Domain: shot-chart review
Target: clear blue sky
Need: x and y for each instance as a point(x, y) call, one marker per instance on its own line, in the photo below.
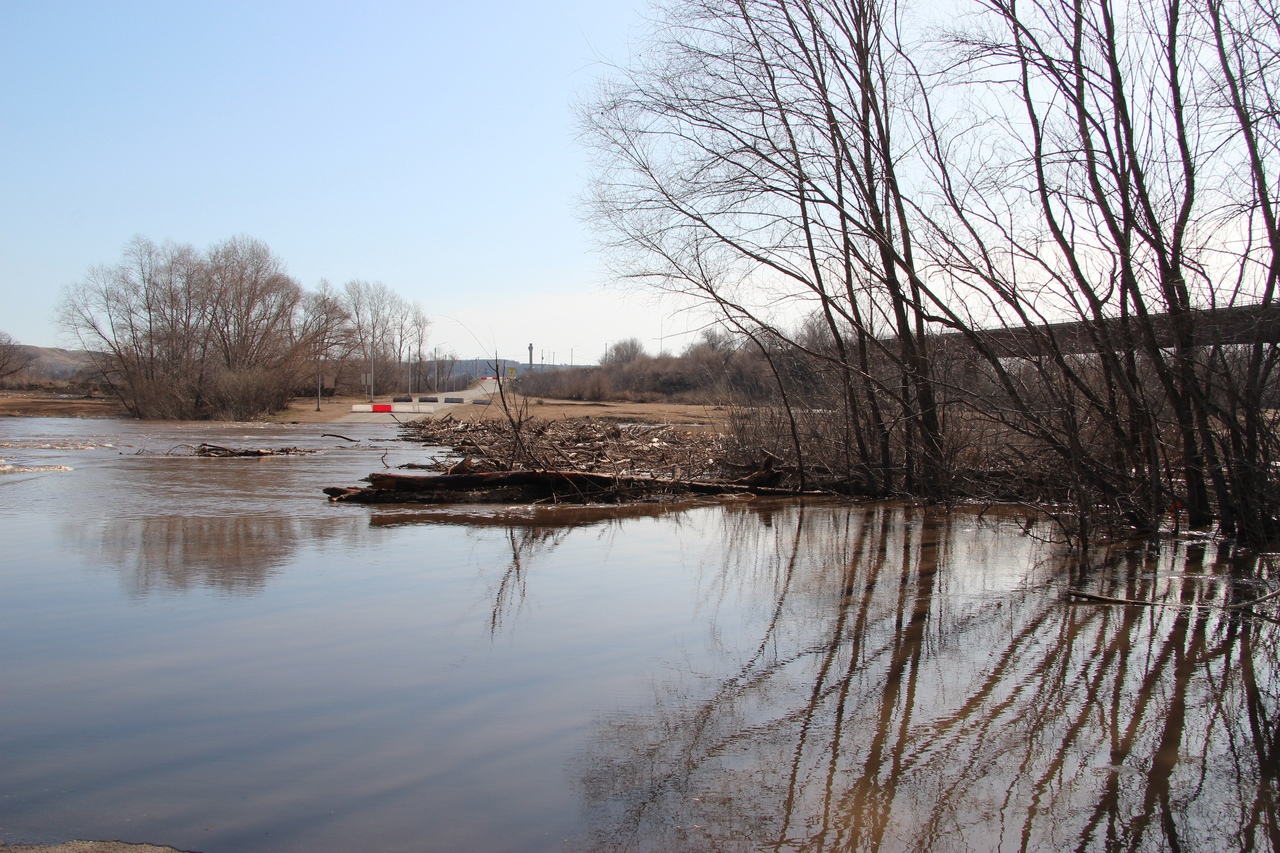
point(427, 145)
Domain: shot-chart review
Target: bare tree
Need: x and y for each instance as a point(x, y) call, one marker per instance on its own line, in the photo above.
point(1012, 255)
point(1133, 156)
point(179, 335)
point(326, 330)
point(408, 331)
point(13, 357)
point(622, 352)
point(754, 160)
point(256, 311)
point(419, 326)
point(146, 322)
point(374, 309)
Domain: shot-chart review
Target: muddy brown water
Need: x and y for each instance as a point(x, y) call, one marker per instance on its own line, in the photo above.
point(206, 654)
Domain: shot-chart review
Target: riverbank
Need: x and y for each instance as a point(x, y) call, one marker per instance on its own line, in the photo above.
point(44, 404)
point(699, 417)
point(31, 404)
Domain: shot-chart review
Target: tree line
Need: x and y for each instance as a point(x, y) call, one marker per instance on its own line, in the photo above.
point(715, 369)
point(227, 333)
point(876, 196)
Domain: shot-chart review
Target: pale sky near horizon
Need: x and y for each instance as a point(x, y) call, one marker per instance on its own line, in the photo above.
point(427, 145)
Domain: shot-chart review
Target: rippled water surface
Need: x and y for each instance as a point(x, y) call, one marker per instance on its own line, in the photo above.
point(206, 653)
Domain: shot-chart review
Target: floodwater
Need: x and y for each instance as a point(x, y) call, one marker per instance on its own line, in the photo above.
point(206, 653)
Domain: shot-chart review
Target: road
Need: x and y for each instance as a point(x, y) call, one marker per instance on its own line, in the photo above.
point(486, 389)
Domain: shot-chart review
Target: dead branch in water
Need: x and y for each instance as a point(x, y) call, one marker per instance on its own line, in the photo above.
point(1106, 599)
point(1268, 597)
point(217, 452)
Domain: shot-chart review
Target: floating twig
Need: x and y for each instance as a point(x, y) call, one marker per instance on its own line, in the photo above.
point(1106, 599)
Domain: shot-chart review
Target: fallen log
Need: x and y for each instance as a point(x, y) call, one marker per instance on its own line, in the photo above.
point(537, 486)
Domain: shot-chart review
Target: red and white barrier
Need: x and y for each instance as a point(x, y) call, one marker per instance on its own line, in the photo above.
point(393, 408)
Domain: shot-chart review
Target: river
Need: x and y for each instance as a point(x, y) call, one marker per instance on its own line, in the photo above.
point(205, 653)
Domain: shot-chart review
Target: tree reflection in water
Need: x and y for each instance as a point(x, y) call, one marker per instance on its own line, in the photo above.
point(921, 681)
point(530, 532)
point(232, 554)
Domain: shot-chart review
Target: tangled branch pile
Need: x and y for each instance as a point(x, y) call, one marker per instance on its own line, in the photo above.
point(533, 460)
point(586, 445)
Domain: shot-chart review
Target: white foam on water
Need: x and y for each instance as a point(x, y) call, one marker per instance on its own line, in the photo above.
point(31, 469)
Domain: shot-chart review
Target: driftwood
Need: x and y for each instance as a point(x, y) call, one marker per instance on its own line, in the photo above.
point(1106, 599)
point(213, 450)
point(537, 486)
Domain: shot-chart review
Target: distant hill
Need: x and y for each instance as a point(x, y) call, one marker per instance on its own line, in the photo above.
point(54, 364)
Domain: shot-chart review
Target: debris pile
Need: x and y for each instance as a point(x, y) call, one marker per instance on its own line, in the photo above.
point(569, 461)
point(584, 445)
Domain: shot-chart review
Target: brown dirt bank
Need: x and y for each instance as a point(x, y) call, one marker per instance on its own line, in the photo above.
point(44, 404)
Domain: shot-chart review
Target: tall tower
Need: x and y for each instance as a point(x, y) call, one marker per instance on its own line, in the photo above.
point(531, 356)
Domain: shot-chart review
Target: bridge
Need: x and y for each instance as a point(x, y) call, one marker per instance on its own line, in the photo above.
point(1233, 326)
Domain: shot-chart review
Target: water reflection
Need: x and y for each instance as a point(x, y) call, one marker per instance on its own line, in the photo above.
point(236, 555)
point(539, 516)
point(531, 533)
point(742, 675)
point(920, 682)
